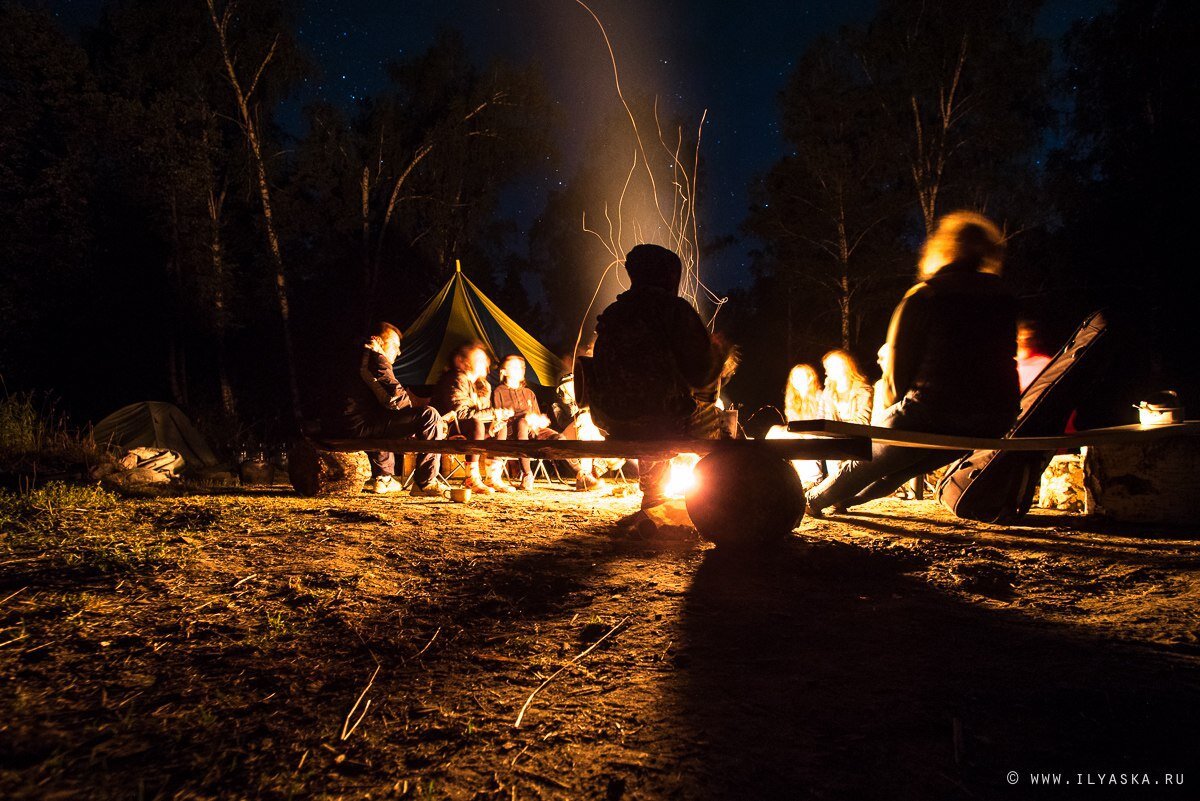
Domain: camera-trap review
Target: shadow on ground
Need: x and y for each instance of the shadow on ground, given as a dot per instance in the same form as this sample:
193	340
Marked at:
823	671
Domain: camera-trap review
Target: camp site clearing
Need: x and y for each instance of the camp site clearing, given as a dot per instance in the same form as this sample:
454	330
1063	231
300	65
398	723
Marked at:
253	643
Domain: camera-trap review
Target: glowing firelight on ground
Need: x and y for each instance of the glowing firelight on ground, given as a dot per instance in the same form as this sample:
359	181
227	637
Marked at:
682	477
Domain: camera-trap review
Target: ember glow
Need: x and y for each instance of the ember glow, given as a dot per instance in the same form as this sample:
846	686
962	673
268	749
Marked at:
683	477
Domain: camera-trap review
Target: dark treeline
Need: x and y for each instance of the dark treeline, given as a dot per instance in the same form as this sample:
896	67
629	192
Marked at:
1083	149
163	236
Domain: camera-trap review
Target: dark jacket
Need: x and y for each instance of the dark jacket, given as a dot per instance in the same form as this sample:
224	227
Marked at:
521	400
371	389
953	341
653	359
456	393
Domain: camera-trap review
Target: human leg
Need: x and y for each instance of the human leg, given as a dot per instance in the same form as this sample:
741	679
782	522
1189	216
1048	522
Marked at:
521	431
421	423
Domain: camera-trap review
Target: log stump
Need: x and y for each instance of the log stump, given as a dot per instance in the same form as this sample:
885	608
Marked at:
744	500
315	472
1152	482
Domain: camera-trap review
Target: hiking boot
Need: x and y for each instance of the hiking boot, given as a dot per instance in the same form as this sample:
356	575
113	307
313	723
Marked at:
650	501
431	490
585	482
382	485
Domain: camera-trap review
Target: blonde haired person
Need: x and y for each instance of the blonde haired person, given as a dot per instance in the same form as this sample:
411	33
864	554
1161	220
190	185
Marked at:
951	369
847	395
802	401
802	395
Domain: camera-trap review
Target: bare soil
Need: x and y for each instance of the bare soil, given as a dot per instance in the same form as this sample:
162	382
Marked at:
258	644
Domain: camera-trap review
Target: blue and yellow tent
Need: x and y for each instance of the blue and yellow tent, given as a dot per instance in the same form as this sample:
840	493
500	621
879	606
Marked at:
460	313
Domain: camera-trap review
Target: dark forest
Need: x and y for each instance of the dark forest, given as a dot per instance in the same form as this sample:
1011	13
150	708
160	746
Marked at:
138	260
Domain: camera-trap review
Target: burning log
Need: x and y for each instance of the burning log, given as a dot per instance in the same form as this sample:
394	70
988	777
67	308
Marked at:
745	500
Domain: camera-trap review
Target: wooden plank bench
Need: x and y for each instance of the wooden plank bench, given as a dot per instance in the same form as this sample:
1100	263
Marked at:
838	447
1114	435
755	494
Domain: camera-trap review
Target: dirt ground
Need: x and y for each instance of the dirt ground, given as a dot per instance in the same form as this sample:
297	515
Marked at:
258	644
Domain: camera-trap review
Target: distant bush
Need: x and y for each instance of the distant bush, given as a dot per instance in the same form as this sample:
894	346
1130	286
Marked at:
36	440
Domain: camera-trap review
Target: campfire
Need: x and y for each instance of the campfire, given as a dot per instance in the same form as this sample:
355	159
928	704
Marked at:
682	477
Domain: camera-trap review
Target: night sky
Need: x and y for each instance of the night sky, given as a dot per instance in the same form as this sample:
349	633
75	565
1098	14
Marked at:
729	58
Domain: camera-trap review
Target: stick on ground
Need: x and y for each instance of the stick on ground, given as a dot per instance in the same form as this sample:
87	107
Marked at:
554	675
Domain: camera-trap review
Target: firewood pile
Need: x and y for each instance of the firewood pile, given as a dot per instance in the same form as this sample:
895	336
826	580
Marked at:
1062	486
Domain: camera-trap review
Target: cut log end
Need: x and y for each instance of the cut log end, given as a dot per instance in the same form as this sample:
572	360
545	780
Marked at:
316	472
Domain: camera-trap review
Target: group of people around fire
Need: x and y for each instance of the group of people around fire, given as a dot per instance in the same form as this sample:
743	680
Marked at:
954	362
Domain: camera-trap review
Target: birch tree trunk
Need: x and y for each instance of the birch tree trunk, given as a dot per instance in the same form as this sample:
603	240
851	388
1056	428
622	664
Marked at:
250	128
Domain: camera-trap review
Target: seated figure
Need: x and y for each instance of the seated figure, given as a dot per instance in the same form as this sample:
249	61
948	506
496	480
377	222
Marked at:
464	398
801	401
576	423
950	365
374	404
527	421
655	370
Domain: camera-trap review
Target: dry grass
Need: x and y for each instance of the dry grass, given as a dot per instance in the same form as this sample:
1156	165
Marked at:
257	644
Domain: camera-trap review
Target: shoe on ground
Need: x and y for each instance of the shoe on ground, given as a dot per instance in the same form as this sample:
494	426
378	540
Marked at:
527	482
585	482
651	501
383	485
427	491
475	484
499	485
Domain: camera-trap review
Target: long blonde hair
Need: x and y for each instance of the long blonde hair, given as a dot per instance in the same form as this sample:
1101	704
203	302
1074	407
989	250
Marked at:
966	237
802	407
854	376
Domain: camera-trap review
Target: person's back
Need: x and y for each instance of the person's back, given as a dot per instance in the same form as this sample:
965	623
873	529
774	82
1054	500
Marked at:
965	362
948	363
652	353
654	369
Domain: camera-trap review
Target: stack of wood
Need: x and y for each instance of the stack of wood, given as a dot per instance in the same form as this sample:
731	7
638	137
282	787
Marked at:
1061	486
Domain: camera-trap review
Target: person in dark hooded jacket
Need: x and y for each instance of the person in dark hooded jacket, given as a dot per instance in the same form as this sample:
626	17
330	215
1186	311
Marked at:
655	370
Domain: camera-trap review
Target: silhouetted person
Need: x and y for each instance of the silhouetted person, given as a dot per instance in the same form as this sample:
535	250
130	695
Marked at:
950	366
375	405
655	370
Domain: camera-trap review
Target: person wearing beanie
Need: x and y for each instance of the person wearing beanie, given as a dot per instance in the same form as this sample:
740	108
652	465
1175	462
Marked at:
655	370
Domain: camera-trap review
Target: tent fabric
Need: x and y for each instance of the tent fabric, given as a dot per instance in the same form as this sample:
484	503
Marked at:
457	315
151	424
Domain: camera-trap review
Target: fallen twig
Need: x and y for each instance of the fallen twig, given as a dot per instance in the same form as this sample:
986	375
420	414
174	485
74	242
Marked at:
554	675
243	581
431	639
22	636
347	729
10	596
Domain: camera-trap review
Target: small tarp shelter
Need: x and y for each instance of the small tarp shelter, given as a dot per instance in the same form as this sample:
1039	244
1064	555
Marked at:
459	314
152	424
